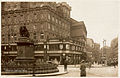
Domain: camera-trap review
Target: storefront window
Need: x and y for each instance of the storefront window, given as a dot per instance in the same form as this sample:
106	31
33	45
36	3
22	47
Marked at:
67	46
73	47
61	46
14	48
39	47
54	47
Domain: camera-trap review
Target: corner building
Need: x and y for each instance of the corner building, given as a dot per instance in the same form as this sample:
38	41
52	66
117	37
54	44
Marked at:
49	18
46	22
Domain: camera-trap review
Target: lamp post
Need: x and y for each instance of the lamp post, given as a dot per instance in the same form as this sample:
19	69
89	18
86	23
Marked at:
61	48
63	57
46	47
45	51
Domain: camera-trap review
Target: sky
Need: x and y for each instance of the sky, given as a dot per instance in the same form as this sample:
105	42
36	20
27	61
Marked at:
100	17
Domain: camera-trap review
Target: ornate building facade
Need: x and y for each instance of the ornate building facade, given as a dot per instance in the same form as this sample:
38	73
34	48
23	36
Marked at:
49	18
45	21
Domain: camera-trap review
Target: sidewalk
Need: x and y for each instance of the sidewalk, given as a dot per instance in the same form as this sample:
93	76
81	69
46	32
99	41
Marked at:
102	72
96	65
61	72
93	66
95	71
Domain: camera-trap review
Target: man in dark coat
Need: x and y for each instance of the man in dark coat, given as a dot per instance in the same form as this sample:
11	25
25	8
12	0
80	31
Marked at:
83	69
65	65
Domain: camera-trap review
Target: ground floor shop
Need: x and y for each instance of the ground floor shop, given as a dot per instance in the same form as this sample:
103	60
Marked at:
52	50
53	57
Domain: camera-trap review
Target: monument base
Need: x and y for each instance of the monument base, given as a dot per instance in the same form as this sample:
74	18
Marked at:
25	50
25	62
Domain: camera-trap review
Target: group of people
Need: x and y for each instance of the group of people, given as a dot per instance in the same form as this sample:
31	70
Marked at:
114	63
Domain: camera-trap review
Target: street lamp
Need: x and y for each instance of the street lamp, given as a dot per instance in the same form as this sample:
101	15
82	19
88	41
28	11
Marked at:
45	51
64	57
46	47
63	54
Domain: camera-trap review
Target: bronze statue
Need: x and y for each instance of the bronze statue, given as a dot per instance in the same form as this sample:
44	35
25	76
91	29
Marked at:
24	32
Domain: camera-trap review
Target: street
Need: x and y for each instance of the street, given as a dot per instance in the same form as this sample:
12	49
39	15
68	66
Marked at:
95	71
73	71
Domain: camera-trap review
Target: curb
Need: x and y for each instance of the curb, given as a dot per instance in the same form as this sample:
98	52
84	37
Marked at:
39	75
51	74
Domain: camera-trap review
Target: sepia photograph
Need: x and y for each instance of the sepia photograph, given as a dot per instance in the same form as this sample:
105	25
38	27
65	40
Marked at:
60	38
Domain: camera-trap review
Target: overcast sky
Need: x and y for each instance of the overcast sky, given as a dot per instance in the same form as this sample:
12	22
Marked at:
99	16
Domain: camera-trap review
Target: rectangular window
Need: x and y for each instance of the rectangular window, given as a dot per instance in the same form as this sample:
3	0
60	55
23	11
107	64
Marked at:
3	20
8	37
48	26
53	19
34	37
3	37
35	16
49	16
39	47
53	28
56	20
2	48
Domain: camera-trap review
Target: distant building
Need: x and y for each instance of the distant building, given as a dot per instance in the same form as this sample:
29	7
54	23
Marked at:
90	49
106	51
96	46
78	30
45	21
90	42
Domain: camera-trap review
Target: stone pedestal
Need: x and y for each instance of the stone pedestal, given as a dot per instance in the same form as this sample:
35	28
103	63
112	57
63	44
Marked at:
25	50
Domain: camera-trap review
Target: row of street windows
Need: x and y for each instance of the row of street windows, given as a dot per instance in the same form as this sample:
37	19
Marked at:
50	47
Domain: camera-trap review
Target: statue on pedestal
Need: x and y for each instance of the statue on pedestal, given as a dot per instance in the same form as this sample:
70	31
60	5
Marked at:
24	32
25	51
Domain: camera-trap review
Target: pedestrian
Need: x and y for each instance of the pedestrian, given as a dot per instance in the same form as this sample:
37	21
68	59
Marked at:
83	69
65	65
89	65
114	64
